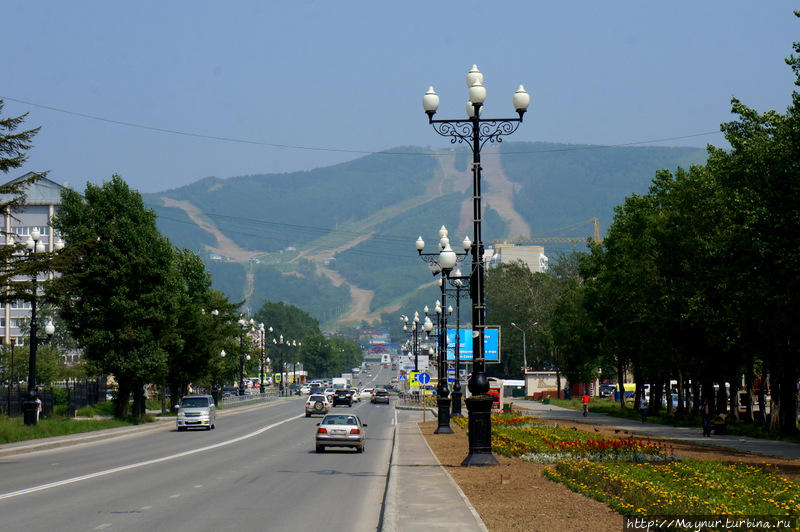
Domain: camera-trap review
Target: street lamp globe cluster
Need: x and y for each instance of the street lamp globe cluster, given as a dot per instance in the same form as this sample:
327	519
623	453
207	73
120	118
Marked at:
475	131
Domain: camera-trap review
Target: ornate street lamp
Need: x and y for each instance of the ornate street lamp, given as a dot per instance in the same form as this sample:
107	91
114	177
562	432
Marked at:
262	340
244	325
31	405
475	131
457	280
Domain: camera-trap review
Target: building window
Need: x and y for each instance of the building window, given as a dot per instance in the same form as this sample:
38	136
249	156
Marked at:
21	304
24	231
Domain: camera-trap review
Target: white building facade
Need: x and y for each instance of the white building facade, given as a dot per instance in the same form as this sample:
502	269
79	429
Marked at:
531	256
42	199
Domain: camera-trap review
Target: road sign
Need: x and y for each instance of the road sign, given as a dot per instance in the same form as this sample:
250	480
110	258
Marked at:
423	378
402	378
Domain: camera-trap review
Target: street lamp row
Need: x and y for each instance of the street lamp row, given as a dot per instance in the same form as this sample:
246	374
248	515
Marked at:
476	131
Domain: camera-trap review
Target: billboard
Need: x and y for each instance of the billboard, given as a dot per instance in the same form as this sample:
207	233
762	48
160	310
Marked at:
491	345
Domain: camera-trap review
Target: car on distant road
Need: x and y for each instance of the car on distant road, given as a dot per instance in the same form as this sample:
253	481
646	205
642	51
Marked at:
343	397
329	393
607	390
341	431
356	395
196	411
366	393
305	389
380	396
317	404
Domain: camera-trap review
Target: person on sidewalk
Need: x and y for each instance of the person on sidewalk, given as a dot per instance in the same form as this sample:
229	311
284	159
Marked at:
585	405
643	408
705	413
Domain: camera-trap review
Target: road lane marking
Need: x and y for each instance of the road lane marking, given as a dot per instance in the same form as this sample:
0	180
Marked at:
106	472
103	526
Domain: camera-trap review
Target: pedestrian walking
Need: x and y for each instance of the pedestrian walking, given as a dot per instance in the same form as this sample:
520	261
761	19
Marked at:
643	408
38	408
585	405
705	413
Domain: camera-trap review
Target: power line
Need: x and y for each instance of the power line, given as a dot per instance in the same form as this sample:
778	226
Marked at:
335	150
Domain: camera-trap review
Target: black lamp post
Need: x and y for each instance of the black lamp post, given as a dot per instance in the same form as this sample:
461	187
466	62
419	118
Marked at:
261	340
243	325
475	132
442	263
457	280
31	405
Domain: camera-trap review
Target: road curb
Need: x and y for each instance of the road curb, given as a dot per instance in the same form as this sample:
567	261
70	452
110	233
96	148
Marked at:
389	513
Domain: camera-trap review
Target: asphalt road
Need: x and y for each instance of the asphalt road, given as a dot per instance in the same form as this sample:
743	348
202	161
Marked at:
256	471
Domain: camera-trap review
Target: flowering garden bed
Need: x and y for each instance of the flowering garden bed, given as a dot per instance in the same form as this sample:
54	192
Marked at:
642	477
691	487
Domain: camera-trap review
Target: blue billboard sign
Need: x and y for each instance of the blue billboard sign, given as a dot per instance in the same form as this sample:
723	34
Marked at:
491	345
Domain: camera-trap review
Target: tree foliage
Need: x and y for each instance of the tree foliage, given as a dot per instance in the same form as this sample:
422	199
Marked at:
118	288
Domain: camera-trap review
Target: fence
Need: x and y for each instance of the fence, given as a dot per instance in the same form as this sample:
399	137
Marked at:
231	400
78	395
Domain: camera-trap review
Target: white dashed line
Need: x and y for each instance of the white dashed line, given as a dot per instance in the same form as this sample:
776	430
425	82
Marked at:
106	472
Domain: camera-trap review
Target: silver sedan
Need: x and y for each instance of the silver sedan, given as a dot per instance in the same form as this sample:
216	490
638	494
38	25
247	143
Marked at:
341	431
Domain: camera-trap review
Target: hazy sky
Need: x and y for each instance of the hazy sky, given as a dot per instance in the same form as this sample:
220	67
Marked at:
343	77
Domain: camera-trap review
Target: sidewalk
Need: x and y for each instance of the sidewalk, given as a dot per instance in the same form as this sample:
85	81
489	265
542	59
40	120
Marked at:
420	494
774	448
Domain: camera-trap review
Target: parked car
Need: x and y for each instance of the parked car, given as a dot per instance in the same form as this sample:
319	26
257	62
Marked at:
343	397
341	431
607	390
366	393
229	391
196	411
380	396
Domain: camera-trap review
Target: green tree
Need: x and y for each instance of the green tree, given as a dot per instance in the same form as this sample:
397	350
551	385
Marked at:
117	289
14	144
315	354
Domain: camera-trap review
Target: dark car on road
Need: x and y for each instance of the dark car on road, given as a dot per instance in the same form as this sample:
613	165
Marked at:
380	396
343	397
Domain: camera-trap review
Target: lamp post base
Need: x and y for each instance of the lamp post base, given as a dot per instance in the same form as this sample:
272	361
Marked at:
30	409
456	408
480	431
444	416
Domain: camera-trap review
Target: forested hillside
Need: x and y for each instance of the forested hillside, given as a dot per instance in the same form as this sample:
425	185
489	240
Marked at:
339	241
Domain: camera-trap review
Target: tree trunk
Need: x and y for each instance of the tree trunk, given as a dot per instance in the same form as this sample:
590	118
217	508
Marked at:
138	398
681	405
733	400
695	397
748	382
621	381
762	399
558	384
788	401
123	399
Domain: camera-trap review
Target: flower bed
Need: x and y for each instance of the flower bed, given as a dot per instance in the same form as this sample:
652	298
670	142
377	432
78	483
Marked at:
514	434
691	487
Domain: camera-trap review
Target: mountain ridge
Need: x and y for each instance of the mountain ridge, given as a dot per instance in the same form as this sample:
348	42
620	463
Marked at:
360	218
